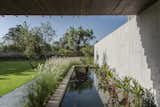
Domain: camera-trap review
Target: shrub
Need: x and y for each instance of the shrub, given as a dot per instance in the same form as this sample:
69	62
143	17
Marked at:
87	50
51	73
123	92
87	60
65	52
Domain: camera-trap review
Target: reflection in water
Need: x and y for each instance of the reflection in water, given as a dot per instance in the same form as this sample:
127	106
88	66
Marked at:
81	91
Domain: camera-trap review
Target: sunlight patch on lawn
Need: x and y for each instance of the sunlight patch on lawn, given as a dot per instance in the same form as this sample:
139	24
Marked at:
13	74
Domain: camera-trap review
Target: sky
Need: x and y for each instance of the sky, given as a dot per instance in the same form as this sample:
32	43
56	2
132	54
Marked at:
101	25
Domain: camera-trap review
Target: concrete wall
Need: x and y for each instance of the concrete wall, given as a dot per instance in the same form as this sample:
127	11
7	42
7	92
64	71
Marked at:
134	49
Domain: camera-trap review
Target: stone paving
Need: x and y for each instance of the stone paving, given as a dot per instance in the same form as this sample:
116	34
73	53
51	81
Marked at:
15	98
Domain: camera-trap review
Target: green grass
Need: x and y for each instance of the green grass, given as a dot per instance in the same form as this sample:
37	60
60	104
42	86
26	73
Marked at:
14	74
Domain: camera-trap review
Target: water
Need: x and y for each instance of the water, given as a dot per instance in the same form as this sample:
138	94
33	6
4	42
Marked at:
81	91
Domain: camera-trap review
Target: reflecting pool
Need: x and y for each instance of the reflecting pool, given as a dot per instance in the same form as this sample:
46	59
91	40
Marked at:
81	91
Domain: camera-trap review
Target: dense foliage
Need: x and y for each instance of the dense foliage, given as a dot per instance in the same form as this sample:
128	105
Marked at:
38	42
32	42
126	92
88	59
73	41
51	73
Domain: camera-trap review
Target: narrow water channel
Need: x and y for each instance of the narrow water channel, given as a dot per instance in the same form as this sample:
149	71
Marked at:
81	91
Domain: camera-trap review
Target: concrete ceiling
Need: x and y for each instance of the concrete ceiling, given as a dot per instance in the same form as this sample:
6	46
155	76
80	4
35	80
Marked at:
73	7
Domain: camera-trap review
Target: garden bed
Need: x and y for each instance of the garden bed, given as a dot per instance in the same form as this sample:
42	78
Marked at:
56	98
51	74
121	92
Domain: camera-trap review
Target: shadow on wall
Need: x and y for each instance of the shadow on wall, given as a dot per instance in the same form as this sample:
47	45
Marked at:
149	29
104	58
97	57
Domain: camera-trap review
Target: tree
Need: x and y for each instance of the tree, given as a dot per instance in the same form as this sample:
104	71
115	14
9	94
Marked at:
12	38
87	51
33	42
74	39
55	47
1	46
46	33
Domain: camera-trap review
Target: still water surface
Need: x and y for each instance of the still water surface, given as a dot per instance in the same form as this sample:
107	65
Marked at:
81	91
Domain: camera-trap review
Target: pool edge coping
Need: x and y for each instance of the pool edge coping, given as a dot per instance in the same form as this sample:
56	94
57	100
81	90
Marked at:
57	97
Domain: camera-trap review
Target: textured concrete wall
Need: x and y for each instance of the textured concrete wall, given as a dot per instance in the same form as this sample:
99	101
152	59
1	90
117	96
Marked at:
134	49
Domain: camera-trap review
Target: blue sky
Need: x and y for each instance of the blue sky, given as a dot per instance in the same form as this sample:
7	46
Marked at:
101	25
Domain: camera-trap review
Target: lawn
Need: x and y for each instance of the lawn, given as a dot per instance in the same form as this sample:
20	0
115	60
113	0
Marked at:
14	74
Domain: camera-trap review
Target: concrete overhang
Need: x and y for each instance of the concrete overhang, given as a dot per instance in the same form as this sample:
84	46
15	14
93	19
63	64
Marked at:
73	7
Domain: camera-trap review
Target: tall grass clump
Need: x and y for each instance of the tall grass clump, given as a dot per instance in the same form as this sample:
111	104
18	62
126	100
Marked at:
51	74
123	92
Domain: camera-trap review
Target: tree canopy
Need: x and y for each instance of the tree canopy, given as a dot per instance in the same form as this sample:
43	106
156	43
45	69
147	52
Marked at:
33	42
38	41
76	38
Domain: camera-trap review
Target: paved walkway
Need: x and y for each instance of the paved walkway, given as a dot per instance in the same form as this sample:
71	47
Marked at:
15	98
